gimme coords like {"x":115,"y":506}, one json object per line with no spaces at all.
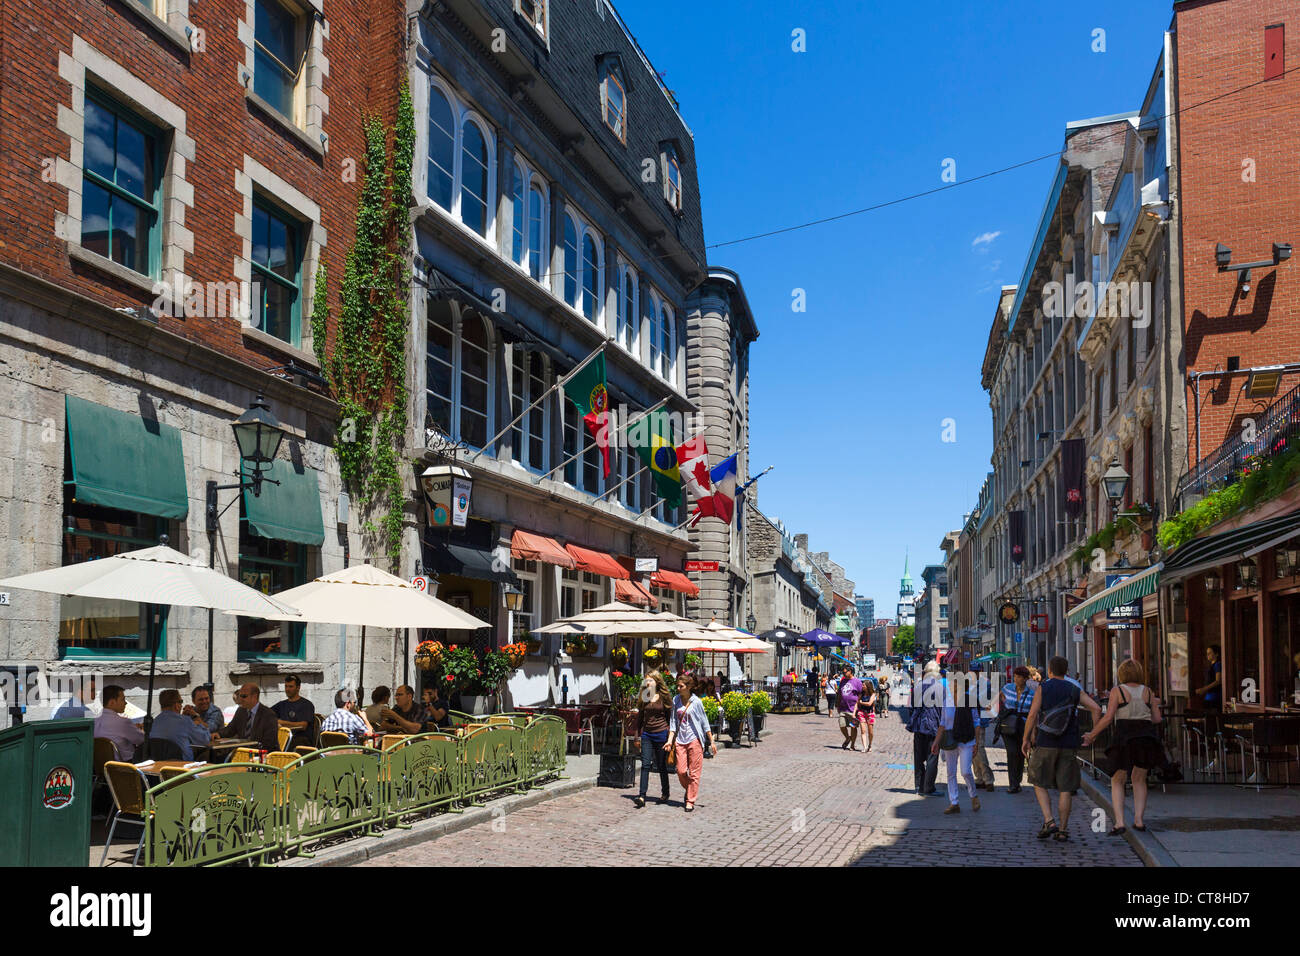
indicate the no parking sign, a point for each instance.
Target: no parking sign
{"x":420,"y":583}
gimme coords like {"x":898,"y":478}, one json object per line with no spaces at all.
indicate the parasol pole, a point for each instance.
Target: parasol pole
{"x":361,"y":664}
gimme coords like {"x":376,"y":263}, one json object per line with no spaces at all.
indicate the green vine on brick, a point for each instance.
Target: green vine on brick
{"x":366,"y":368}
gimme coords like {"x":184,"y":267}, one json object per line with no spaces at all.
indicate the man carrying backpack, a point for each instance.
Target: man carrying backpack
{"x":1051,"y":741}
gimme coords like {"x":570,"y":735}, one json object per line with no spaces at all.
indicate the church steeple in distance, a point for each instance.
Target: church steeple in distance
{"x":905,"y":586}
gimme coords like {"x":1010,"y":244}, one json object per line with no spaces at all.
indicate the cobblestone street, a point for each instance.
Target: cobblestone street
{"x":794,"y":799}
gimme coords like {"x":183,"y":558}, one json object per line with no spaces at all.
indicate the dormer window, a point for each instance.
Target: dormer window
{"x":614,"y":102}
{"x":672,"y":173}
{"x":534,"y":11}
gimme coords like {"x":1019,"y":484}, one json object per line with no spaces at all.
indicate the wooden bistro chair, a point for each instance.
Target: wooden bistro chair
{"x":282,"y":736}
{"x":333,"y":738}
{"x":244,"y":755}
{"x":281,"y":758}
{"x":127,"y":784}
{"x":390,"y":741}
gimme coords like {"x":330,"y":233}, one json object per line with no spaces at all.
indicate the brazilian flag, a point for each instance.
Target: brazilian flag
{"x":652,"y":439}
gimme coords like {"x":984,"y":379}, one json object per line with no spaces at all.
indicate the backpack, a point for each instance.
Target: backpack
{"x":1057,"y":720}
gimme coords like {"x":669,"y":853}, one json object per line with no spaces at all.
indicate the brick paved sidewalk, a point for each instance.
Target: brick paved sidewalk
{"x":796,"y":798}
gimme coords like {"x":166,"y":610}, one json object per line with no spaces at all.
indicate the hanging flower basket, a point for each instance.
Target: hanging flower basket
{"x":428,"y":654}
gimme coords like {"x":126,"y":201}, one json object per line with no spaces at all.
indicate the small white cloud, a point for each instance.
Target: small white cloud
{"x":995,"y":265}
{"x":985,"y":239}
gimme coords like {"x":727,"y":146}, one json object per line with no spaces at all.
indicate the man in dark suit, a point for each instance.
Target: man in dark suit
{"x":252,"y":721}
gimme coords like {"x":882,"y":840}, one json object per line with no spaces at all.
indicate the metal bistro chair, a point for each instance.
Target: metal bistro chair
{"x":244,"y":755}
{"x":1206,"y":737}
{"x":102,"y":751}
{"x":1270,"y":740}
{"x":390,"y":741}
{"x":282,"y":736}
{"x":127,"y":784}
{"x":333,"y":738}
{"x":281,"y":758}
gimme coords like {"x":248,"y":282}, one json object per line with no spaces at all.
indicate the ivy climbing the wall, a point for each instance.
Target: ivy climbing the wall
{"x":366,"y":367}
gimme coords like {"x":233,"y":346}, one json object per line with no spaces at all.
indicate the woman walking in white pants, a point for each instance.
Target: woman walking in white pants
{"x":957,"y":738}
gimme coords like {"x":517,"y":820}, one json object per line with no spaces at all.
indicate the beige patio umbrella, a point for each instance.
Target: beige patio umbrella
{"x":626,"y":620}
{"x":365,"y":596}
{"x":157,"y":576}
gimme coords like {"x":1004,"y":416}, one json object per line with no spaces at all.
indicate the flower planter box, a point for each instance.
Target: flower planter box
{"x":736,"y":731}
{"x":477,"y":706}
{"x":617,"y":770}
{"x":758,"y":722}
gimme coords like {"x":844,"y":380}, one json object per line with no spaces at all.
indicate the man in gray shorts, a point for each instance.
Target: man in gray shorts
{"x":1051,"y":741}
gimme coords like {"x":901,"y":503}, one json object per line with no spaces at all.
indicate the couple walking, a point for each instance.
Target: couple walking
{"x":857,"y":703}
{"x":674,"y":732}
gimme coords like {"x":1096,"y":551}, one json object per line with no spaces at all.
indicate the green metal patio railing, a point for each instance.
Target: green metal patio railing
{"x":238,"y":812}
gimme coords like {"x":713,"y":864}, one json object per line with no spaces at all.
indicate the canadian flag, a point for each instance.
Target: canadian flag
{"x":693,"y":462}
{"x":722,"y":503}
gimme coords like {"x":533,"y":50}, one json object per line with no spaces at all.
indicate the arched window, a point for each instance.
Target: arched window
{"x":536,"y":233}
{"x":442,"y":149}
{"x":518,"y":216}
{"x":590,"y":277}
{"x":667,"y":342}
{"x":439,"y":365}
{"x":570,"y":261}
{"x":475,"y":375}
{"x":474,"y":178}
{"x":656,"y":331}
{"x":628,"y":318}
{"x":462,"y":165}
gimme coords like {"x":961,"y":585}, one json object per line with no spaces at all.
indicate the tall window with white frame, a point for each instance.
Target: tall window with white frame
{"x":459,"y":374}
{"x":667,"y":342}
{"x":121,"y":195}
{"x":579,"y":591}
{"x":672,"y":178}
{"x":584,"y":268}
{"x":528,"y":214}
{"x":526,"y":618}
{"x":528,"y":383}
{"x":653,"y":311}
{"x":628,"y":319}
{"x":461,"y":162}
{"x":535,"y":13}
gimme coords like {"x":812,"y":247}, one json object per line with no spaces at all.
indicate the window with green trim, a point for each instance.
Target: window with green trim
{"x":277,"y":273}
{"x":97,"y":627}
{"x":270,"y":566}
{"x":120,"y":197}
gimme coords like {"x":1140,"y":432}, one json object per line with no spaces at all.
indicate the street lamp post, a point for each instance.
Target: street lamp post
{"x":258,"y":435}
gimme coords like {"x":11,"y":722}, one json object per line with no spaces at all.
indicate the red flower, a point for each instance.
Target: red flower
{"x":618,"y":674}
{"x":449,"y":677}
{"x":452,"y":648}
{"x":478,"y":671}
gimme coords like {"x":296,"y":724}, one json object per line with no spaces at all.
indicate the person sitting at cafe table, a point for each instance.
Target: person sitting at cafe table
{"x":407,"y":717}
{"x":125,"y":734}
{"x":78,"y":705}
{"x":179,"y":723}
{"x":252,"y":721}
{"x":379,"y":698}
{"x":437,"y":712}
{"x":210,"y":712}
{"x":346,"y":719}
{"x":296,"y":713}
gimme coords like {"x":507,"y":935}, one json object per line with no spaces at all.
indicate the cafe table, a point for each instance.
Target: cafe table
{"x":224,"y":747}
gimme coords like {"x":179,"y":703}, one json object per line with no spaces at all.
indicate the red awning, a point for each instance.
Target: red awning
{"x":676,"y":581}
{"x":631,"y":593}
{"x":598,"y":562}
{"x":535,"y":547}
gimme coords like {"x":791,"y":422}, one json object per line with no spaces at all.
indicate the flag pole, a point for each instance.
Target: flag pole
{"x":609,"y":491}
{"x":559,"y":383}
{"x":578,"y":454}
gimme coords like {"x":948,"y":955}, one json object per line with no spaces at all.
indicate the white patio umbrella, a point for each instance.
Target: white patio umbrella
{"x":159,"y":576}
{"x":365,"y":596}
{"x":623,"y":619}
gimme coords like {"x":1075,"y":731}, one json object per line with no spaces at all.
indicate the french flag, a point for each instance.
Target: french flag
{"x":722,"y":503}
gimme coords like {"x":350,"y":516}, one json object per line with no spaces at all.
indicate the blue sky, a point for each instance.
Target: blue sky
{"x":848,"y":399}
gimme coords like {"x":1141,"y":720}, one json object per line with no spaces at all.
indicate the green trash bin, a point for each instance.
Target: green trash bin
{"x":45,"y":783}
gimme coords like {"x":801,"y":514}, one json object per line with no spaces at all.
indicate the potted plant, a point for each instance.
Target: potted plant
{"x":693,"y":663}
{"x":428,"y":655}
{"x":478,"y":681}
{"x":759,"y":704}
{"x":735,"y":708}
{"x":618,"y":768}
{"x":713,"y":711}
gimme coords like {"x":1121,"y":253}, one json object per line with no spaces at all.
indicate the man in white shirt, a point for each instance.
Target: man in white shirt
{"x":112,"y":725}
{"x":345,"y":719}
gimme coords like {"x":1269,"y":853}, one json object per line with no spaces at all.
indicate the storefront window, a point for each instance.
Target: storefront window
{"x":270,"y":566}
{"x":95,"y":627}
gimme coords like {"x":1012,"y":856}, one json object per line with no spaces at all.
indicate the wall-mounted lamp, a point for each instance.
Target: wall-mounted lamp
{"x":1223,"y":258}
{"x":1212,"y":581}
{"x":1248,"y":573}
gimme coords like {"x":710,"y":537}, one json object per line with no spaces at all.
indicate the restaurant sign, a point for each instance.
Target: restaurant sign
{"x":701,"y":565}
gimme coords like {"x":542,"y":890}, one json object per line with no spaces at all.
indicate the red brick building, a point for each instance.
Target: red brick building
{"x":1238,"y":131}
{"x":149,"y":146}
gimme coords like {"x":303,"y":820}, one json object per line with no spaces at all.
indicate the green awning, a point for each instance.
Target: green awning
{"x":1118,"y":595}
{"x":120,"y":460}
{"x":289,"y":511}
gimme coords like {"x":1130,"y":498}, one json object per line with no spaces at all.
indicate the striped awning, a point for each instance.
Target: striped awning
{"x":1227,"y":547}
{"x":1118,"y":595}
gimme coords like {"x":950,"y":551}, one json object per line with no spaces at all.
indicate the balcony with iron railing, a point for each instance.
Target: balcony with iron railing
{"x":1276,"y":430}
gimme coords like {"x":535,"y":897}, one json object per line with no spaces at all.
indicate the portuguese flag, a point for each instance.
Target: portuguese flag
{"x":586,"y":389}
{"x":652,"y":439}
